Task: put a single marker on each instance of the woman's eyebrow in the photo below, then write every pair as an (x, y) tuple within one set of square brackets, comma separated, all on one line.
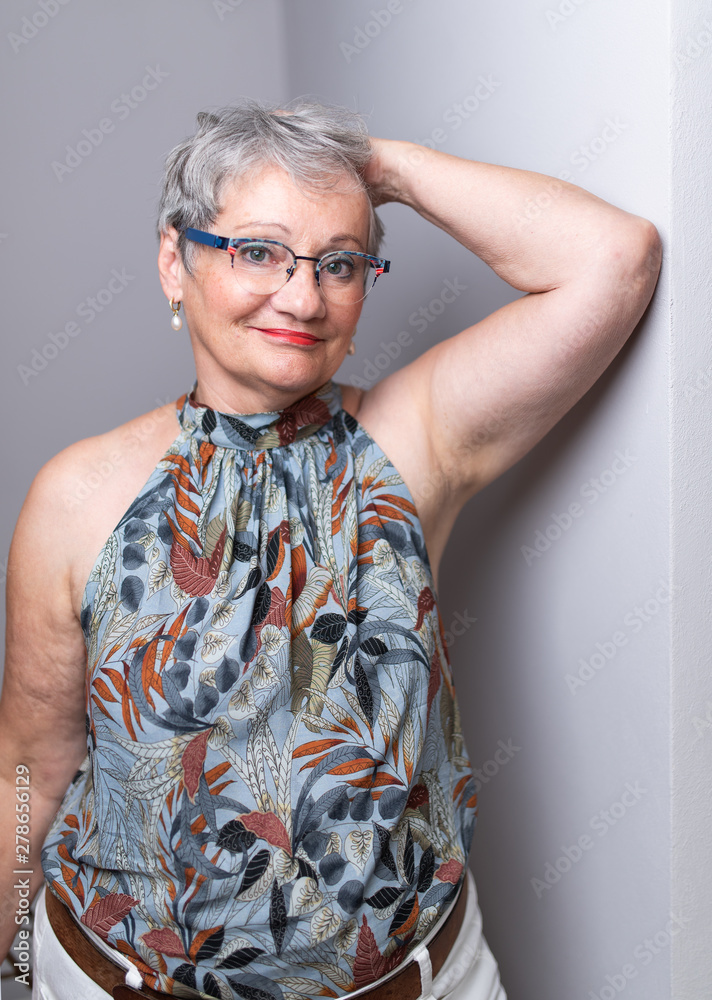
[(346, 238), (262, 222), (338, 238)]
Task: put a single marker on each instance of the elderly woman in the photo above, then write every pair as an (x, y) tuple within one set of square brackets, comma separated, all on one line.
[(234, 702)]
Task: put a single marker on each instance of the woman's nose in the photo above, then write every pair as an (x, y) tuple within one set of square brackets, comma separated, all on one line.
[(301, 295)]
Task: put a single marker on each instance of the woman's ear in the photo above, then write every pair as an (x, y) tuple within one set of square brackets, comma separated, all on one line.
[(170, 265)]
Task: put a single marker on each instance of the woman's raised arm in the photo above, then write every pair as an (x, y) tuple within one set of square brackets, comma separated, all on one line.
[(485, 396)]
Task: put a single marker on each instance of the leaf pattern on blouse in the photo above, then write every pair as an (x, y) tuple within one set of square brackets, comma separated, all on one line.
[(276, 801)]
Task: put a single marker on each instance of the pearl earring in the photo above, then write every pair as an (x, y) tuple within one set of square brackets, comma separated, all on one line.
[(176, 321), (351, 348)]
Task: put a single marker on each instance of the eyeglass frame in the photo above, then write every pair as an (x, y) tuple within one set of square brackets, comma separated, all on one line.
[(230, 244)]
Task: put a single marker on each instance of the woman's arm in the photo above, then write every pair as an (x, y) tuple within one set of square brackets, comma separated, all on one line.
[(535, 231), (42, 709), (484, 397)]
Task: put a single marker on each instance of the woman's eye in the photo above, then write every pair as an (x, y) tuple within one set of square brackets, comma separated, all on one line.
[(340, 267), (256, 253)]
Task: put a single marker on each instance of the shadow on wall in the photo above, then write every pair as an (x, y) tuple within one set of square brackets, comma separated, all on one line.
[(505, 737)]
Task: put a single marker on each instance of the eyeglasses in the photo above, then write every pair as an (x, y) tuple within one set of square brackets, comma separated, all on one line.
[(264, 266)]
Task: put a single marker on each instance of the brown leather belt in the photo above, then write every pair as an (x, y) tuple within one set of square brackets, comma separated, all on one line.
[(89, 959), (404, 983)]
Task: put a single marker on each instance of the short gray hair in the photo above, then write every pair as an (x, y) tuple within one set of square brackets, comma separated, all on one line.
[(316, 144)]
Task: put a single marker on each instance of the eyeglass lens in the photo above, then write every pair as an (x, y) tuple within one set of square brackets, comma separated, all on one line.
[(263, 268)]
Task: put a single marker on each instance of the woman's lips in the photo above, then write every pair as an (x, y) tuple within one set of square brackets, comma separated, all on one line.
[(293, 336)]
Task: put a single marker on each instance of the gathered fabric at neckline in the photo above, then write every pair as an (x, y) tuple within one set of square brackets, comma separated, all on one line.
[(266, 429)]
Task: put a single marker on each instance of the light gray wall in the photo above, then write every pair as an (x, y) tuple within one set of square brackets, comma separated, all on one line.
[(691, 508), (65, 232), (555, 82)]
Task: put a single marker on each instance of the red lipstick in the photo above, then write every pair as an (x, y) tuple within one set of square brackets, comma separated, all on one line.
[(292, 336)]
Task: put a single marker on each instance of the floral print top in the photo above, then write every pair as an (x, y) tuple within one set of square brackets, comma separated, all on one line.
[(276, 801)]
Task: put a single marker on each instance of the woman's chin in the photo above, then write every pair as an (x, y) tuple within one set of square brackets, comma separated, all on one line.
[(290, 370)]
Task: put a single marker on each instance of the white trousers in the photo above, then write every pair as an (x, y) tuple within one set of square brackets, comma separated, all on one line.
[(470, 971)]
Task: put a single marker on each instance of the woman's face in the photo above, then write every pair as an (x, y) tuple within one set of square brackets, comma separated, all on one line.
[(229, 326)]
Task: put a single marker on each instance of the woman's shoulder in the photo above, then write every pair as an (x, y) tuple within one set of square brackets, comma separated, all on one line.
[(79, 495), (80, 469)]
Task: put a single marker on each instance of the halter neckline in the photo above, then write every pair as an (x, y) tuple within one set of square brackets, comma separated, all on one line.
[(266, 429)]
